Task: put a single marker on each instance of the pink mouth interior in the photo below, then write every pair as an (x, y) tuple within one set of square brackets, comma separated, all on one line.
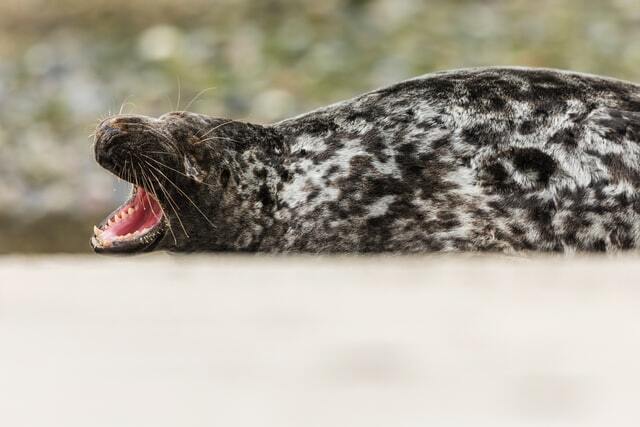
[(134, 218)]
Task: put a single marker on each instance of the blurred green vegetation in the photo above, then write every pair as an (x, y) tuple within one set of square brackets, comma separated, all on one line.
[(65, 64)]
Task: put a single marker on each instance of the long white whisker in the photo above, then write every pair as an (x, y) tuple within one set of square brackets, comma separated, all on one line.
[(135, 175), (155, 194), (172, 204), (211, 138), (214, 128), (149, 188), (161, 152), (153, 132), (179, 93), (124, 103), (175, 170), (184, 194), (203, 91)]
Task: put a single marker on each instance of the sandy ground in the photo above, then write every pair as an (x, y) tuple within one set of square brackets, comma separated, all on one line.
[(222, 341)]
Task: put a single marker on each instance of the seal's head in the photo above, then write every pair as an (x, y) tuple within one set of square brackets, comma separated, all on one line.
[(198, 183)]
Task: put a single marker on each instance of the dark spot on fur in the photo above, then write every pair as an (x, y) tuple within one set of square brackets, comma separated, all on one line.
[(517, 230), (618, 169), (375, 145), (498, 173), (620, 125), (527, 127), (531, 159), (409, 164), (331, 170), (260, 173), (224, 178), (264, 196), (313, 194), (542, 213), (566, 137), (482, 135), (497, 103), (621, 237), (441, 142), (448, 220), (599, 246)]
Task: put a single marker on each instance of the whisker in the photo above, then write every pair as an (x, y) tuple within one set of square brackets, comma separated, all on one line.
[(172, 204), (155, 194), (135, 175), (166, 97), (161, 152), (203, 91), (124, 103), (175, 170), (124, 168), (211, 138), (169, 201), (154, 132), (183, 193), (214, 128), (148, 188), (148, 185), (179, 93)]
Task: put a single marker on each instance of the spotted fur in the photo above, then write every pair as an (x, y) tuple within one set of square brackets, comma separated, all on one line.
[(497, 159)]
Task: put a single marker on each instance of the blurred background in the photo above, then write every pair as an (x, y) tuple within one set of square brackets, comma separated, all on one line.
[(66, 64)]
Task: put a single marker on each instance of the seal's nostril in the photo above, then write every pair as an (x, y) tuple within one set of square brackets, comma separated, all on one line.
[(118, 124), (108, 138), (110, 135), (106, 130)]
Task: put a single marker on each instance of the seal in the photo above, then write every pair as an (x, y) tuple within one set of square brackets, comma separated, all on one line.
[(490, 159)]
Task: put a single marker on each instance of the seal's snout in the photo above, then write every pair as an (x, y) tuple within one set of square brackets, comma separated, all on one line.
[(112, 135), (108, 135)]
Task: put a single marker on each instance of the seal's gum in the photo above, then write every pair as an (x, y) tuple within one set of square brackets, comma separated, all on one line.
[(137, 216)]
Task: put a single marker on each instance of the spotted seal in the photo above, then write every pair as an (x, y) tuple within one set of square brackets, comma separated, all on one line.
[(498, 159)]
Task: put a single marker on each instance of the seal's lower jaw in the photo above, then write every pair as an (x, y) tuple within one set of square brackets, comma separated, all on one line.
[(136, 226)]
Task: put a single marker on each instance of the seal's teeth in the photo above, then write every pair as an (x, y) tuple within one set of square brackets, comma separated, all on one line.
[(97, 231), (130, 211), (111, 221), (103, 242)]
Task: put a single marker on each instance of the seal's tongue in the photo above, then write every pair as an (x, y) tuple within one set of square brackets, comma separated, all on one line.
[(137, 216)]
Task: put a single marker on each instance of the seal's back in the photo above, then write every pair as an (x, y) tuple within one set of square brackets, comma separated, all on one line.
[(478, 159)]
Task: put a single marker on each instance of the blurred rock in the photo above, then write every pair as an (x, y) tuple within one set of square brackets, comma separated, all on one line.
[(159, 43)]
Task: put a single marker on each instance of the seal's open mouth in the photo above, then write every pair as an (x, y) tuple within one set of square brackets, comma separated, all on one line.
[(135, 226)]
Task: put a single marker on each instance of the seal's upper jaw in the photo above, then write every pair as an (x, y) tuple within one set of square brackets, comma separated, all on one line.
[(136, 226)]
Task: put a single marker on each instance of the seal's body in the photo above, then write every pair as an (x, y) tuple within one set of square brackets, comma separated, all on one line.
[(478, 159)]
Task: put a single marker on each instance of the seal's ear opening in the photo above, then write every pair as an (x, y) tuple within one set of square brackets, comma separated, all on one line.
[(224, 178)]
